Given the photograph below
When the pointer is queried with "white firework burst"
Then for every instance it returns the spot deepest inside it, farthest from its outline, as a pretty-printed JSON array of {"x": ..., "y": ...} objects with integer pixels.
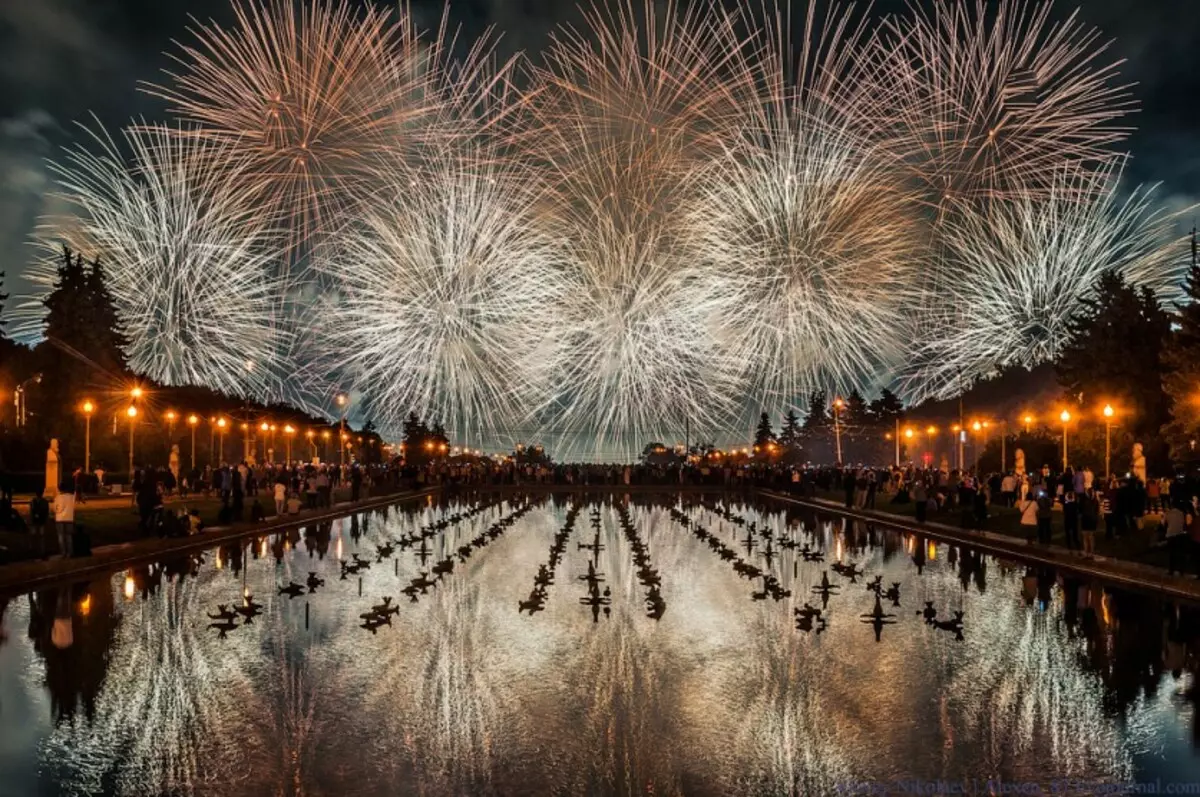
[
  {"x": 620, "y": 116},
  {"x": 445, "y": 295},
  {"x": 308, "y": 93},
  {"x": 815, "y": 234},
  {"x": 989, "y": 102},
  {"x": 1021, "y": 268},
  {"x": 188, "y": 253},
  {"x": 812, "y": 227}
]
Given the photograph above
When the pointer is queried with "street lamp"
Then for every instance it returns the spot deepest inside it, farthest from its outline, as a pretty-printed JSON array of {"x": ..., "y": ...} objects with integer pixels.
[
  {"x": 221, "y": 426},
  {"x": 264, "y": 427},
  {"x": 325, "y": 444},
  {"x": 171, "y": 416},
  {"x": 192, "y": 421},
  {"x": 289, "y": 430},
  {"x": 212, "y": 438},
  {"x": 132, "y": 413},
  {"x": 136, "y": 393},
  {"x": 20, "y": 402},
  {"x": 1109, "y": 412},
  {"x": 310, "y": 434},
  {"x": 1028, "y": 419},
  {"x": 837, "y": 427},
  {"x": 88, "y": 409},
  {"x": 342, "y": 400},
  {"x": 929, "y": 433},
  {"x": 1065, "y": 417}
]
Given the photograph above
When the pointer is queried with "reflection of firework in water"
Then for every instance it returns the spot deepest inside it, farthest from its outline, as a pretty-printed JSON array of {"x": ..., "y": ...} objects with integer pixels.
[{"x": 175, "y": 710}]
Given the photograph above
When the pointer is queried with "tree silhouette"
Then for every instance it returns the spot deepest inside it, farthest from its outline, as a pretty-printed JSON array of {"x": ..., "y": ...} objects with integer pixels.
[
  {"x": 764, "y": 434},
  {"x": 1181, "y": 370}
]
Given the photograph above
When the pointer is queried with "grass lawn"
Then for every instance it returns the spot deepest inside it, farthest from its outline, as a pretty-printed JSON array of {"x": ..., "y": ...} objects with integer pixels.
[{"x": 1141, "y": 546}]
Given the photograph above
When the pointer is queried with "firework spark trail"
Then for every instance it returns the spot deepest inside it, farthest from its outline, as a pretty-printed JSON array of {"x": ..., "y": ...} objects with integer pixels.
[
  {"x": 444, "y": 287},
  {"x": 187, "y": 253},
  {"x": 621, "y": 114},
  {"x": 306, "y": 93},
  {"x": 1028, "y": 264},
  {"x": 988, "y": 104},
  {"x": 813, "y": 230},
  {"x": 709, "y": 221}
]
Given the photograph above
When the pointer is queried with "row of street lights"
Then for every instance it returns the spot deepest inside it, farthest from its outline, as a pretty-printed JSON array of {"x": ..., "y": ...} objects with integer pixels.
[
  {"x": 982, "y": 427},
  {"x": 217, "y": 427}
]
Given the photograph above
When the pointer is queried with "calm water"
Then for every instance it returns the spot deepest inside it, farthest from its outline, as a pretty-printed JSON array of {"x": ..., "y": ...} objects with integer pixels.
[{"x": 124, "y": 685}]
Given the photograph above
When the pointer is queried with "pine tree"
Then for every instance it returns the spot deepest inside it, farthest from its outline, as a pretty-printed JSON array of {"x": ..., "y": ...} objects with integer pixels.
[
  {"x": 789, "y": 433},
  {"x": 80, "y": 314},
  {"x": 764, "y": 434},
  {"x": 1114, "y": 353},
  {"x": 818, "y": 410},
  {"x": 887, "y": 408},
  {"x": 3, "y": 299},
  {"x": 856, "y": 412},
  {"x": 1181, "y": 370},
  {"x": 109, "y": 340}
]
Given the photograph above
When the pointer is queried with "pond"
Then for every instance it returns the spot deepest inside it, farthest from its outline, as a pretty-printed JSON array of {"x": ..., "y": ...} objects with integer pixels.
[{"x": 509, "y": 644}]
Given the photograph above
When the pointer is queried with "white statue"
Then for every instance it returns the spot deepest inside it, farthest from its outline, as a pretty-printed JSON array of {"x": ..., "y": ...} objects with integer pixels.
[
  {"x": 52, "y": 470},
  {"x": 173, "y": 462},
  {"x": 1020, "y": 460},
  {"x": 1139, "y": 463}
]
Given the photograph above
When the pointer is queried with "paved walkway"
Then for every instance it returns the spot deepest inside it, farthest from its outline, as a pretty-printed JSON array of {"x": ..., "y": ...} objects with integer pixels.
[
  {"x": 23, "y": 576},
  {"x": 1129, "y": 575}
]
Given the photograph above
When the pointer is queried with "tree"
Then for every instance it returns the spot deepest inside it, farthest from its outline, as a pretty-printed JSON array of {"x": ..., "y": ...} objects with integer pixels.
[
  {"x": 764, "y": 434},
  {"x": 856, "y": 412},
  {"x": 888, "y": 408},
  {"x": 1181, "y": 371},
  {"x": 789, "y": 433},
  {"x": 3, "y": 299},
  {"x": 80, "y": 316},
  {"x": 818, "y": 410},
  {"x": 1113, "y": 353}
]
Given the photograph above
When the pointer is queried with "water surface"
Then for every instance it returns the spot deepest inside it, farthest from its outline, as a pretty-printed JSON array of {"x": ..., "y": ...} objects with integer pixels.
[{"x": 686, "y": 677}]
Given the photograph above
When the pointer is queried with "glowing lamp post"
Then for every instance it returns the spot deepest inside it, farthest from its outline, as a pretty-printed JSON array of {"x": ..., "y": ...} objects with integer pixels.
[
  {"x": 192, "y": 421},
  {"x": 325, "y": 444},
  {"x": 1065, "y": 417},
  {"x": 221, "y": 424},
  {"x": 88, "y": 409},
  {"x": 310, "y": 434},
  {"x": 289, "y": 430},
  {"x": 264, "y": 427},
  {"x": 171, "y": 416},
  {"x": 929, "y": 434},
  {"x": 1109, "y": 412},
  {"x": 342, "y": 400},
  {"x": 132, "y": 413},
  {"x": 1028, "y": 419},
  {"x": 837, "y": 427}
]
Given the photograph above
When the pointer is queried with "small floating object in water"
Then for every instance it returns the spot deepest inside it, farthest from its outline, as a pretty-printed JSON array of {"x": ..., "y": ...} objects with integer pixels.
[{"x": 292, "y": 590}]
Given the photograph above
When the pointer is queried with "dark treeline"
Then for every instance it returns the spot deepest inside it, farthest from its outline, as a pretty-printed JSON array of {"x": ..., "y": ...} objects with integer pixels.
[{"x": 81, "y": 359}]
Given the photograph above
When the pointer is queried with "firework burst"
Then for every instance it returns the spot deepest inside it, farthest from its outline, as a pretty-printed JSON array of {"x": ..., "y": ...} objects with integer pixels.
[
  {"x": 307, "y": 93},
  {"x": 621, "y": 114},
  {"x": 984, "y": 104},
  {"x": 1026, "y": 265},
  {"x": 188, "y": 255},
  {"x": 444, "y": 288},
  {"x": 810, "y": 226}
]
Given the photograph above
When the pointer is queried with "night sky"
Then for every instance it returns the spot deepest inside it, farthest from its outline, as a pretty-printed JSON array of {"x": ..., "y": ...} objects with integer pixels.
[{"x": 66, "y": 59}]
